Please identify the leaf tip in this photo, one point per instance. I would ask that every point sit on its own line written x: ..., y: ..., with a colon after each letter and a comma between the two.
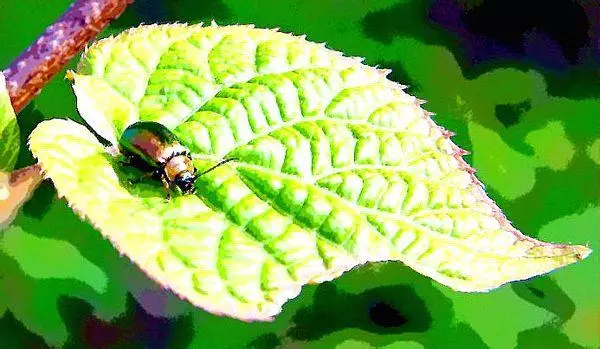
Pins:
x: 582, y: 252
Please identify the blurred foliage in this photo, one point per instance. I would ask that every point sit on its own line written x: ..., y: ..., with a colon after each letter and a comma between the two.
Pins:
x: 519, y: 84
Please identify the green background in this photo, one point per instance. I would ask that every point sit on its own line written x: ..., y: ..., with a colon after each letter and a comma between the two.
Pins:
x: 528, y: 113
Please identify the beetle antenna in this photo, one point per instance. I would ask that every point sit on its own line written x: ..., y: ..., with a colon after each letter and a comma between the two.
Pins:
x: 222, y: 162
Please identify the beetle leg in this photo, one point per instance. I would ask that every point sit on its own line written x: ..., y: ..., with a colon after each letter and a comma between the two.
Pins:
x: 126, y: 160
x: 167, y: 187
x: 145, y: 176
x: 132, y: 173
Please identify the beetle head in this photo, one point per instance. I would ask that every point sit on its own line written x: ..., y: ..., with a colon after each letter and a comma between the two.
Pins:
x: 185, y: 181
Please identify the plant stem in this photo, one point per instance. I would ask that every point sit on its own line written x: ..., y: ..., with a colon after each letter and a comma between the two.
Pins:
x: 26, y: 76
x: 57, y: 45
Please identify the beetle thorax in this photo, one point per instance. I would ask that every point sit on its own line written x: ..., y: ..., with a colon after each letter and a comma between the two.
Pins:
x: 177, y: 165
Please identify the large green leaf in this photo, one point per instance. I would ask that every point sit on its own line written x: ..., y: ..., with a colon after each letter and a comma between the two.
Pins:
x: 337, y: 167
x: 9, y: 131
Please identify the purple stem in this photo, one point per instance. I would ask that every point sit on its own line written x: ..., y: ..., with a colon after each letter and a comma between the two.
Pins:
x: 82, y: 21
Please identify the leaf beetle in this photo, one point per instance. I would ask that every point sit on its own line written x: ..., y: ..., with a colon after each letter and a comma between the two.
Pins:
x: 151, y: 147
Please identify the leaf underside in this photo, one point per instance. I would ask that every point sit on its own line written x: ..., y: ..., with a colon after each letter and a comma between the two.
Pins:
x: 337, y: 166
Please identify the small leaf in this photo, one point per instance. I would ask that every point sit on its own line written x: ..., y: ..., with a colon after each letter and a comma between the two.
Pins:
x: 9, y: 130
x: 337, y: 166
x: 15, y: 189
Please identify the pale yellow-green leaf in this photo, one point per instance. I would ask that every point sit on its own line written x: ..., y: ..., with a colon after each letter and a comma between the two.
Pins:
x: 337, y: 166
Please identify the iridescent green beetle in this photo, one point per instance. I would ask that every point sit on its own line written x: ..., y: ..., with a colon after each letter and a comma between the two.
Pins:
x: 152, y: 147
